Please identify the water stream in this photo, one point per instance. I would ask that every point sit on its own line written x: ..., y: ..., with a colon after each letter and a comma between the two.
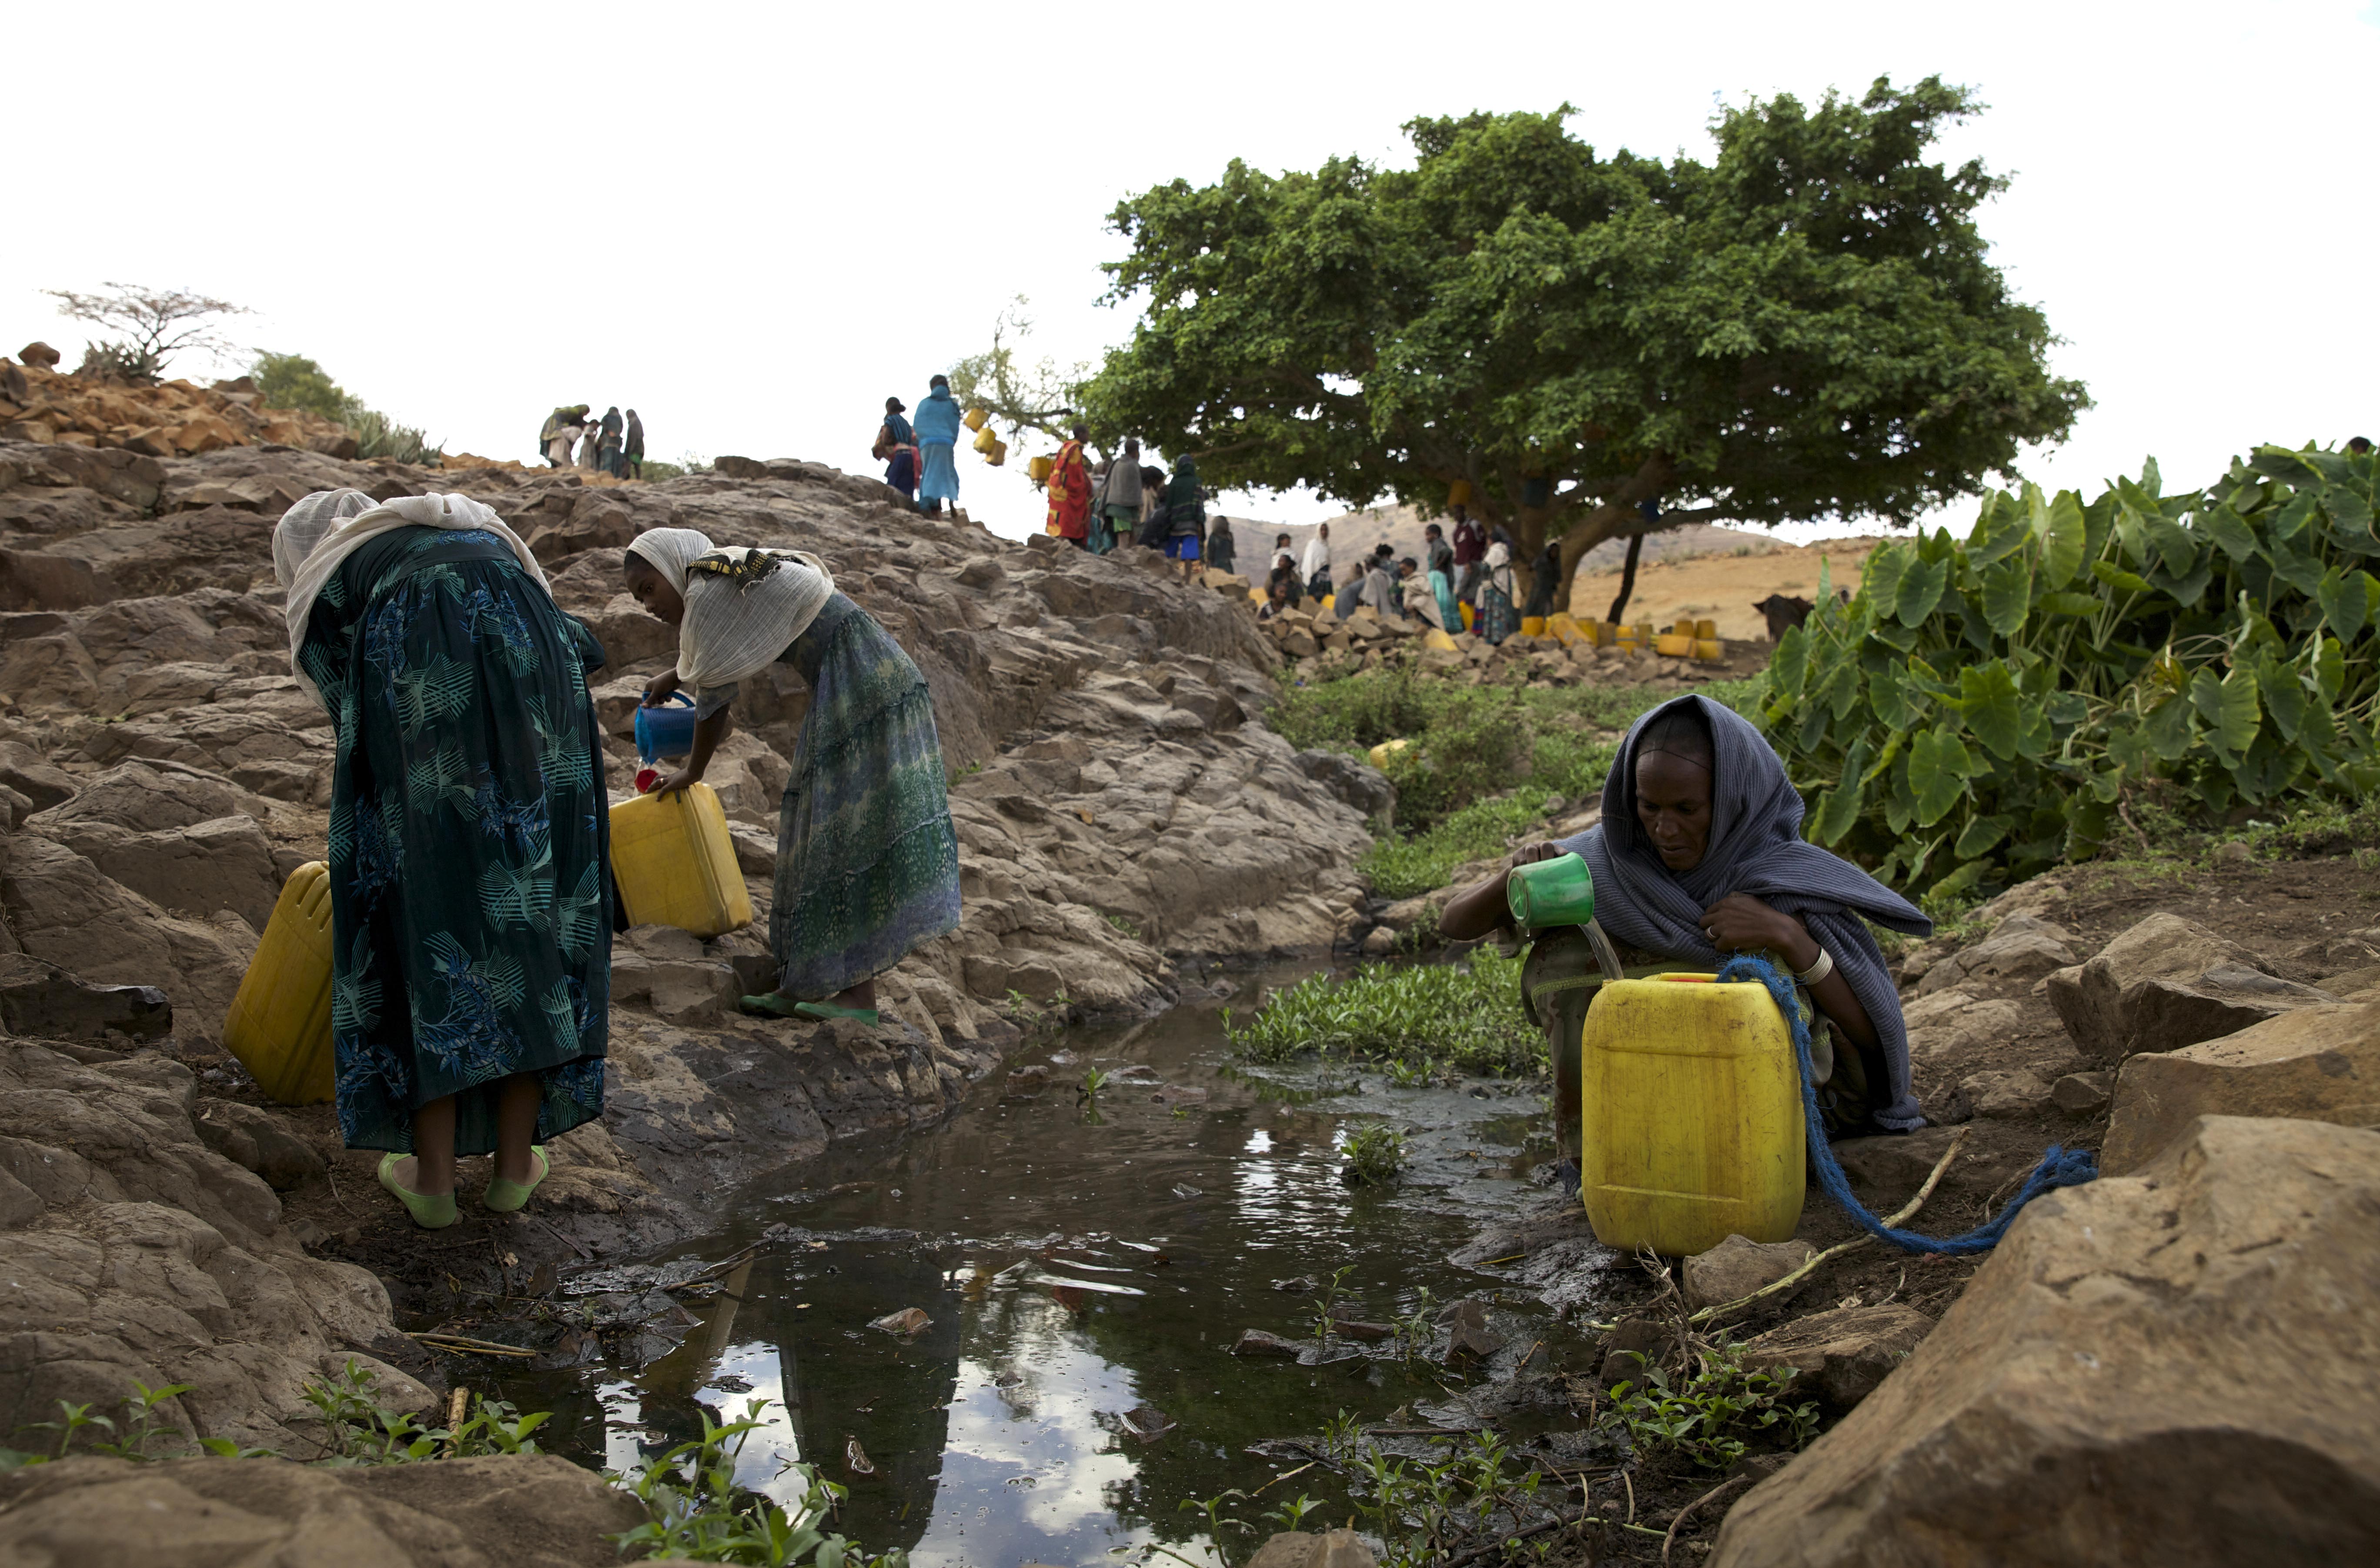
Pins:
x: 1085, y: 1267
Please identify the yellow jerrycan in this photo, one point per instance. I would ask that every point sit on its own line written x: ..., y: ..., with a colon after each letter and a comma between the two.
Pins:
x: 279, y: 1025
x: 1691, y: 1106
x: 675, y: 865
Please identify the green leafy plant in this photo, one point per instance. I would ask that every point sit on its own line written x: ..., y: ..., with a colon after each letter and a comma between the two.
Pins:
x: 1463, y: 1016
x: 1984, y: 708
x: 1325, y: 1321
x: 1212, y: 1508
x: 1705, y: 1416
x: 1418, y: 1327
x: 1290, y: 1515
x: 1376, y: 1155
x: 699, y: 1515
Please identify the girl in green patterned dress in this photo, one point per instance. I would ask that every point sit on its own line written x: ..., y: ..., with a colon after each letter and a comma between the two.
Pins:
x: 470, y: 914
x: 868, y: 864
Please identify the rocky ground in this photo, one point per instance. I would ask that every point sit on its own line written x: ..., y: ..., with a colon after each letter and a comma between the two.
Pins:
x: 1124, y: 820
x: 2179, y: 1353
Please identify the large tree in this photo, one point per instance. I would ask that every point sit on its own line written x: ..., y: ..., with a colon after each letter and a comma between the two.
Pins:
x: 1808, y: 326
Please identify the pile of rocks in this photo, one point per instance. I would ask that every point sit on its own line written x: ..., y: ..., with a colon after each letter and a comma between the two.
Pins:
x: 1366, y: 640
x: 173, y: 418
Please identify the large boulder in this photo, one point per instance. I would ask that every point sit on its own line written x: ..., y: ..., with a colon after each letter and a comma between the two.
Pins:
x: 223, y: 864
x: 2166, y: 983
x: 2174, y: 1368
x: 2020, y: 950
x: 65, y: 911
x: 135, y: 1253
x: 2318, y: 1063
x: 526, y: 1511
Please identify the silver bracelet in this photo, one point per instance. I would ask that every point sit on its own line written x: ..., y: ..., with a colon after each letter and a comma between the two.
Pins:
x: 1817, y: 971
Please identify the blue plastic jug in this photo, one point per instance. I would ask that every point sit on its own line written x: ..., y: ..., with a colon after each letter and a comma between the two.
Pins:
x: 665, y: 731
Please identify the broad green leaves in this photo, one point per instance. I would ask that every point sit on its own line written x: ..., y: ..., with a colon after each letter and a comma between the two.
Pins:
x: 1983, y: 708
x: 1939, y: 766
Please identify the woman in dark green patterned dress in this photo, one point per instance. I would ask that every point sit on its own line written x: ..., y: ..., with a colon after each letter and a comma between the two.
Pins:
x: 471, y: 912
x: 867, y: 863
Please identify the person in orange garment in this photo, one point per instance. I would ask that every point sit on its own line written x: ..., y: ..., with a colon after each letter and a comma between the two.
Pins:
x: 1070, y: 493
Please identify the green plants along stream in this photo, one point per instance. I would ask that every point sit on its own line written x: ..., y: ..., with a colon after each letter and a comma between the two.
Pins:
x: 1985, y: 708
x: 1484, y: 760
x: 1084, y: 1269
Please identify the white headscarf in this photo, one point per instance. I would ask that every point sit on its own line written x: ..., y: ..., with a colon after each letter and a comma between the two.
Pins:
x: 315, y: 537
x: 742, y: 611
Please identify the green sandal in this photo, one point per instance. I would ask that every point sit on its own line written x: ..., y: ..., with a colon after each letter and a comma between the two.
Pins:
x: 770, y: 1004
x: 507, y: 1198
x: 430, y: 1213
x: 827, y: 1012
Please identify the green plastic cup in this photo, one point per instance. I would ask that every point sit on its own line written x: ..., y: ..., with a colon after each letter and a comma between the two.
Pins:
x: 1560, y: 892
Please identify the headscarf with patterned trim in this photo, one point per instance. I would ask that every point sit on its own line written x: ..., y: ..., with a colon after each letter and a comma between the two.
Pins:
x: 744, y: 606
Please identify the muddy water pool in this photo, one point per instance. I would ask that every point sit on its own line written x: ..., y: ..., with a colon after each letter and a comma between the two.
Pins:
x: 1085, y: 1266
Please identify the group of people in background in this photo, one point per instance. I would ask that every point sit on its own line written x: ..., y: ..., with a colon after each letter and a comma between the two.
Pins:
x: 1127, y: 501
x: 1473, y: 568
x: 921, y: 458
x: 614, y: 445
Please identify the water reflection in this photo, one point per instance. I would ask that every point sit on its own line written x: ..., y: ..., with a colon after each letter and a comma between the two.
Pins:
x: 1084, y: 1281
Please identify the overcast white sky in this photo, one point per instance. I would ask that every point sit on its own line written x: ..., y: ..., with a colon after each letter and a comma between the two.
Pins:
x: 752, y: 223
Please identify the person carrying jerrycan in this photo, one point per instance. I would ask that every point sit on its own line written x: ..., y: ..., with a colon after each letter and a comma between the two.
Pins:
x: 1699, y: 855
x: 868, y: 862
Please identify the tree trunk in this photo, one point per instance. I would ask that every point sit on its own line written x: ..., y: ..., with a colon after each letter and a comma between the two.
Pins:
x: 1627, y: 579
x: 1618, y: 514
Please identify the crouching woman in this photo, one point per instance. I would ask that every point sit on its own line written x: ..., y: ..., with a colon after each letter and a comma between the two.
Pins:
x: 470, y: 914
x: 1698, y: 855
x: 868, y: 864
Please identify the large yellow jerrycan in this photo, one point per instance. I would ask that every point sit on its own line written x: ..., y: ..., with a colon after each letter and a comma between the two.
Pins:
x: 1691, y: 1106
x: 675, y: 865
x: 279, y: 1025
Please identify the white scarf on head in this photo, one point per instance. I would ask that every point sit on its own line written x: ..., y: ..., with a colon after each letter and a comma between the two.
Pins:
x: 306, y: 553
x: 734, y: 630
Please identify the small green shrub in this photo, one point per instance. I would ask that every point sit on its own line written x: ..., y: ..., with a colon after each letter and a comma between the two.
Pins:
x: 1376, y: 1155
x: 699, y: 1515
x: 1483, y: 763
x: 1705, y: 1417
x: 1465, y: 1017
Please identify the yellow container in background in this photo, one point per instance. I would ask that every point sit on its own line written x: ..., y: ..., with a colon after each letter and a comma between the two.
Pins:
x: 279, y: 1025
x: 997, y: 455
x: 986, y: 439
x: 1386, y: 750
x: 1533, y: 626
x: 975, y: 418
x: 1038, y: 470
x: 1706, y: 630
x: 1439, y: 640
x: 675, y: 864
x: 1329, y: 601
x: 1708, y: 652
x: 1465, y: 608
x: 1672, y: 645
x: 1692, y: 1107
x: 1564, y: 624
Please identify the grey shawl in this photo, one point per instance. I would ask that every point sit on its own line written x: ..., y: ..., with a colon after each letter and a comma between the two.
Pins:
x: 1755, y: 847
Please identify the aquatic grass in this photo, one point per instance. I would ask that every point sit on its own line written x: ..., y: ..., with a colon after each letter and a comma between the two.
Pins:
x: 1465, y: 1017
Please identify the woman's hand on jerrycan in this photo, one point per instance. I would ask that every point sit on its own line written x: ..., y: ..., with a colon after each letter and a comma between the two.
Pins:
x: 1741, y: 923
x: 659, y: 689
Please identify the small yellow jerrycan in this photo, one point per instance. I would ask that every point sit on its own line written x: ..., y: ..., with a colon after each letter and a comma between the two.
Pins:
x: 675, y: 864
x: 1692, y: 1120
x: 279, y: 1025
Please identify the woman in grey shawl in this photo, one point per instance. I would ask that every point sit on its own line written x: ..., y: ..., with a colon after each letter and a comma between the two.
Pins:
x: 1700, y: 854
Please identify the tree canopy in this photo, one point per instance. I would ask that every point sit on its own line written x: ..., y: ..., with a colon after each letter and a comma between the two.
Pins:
x: 1808, y: 326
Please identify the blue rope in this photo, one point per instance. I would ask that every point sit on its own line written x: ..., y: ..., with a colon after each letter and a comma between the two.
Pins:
x: 2059, y: 1167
